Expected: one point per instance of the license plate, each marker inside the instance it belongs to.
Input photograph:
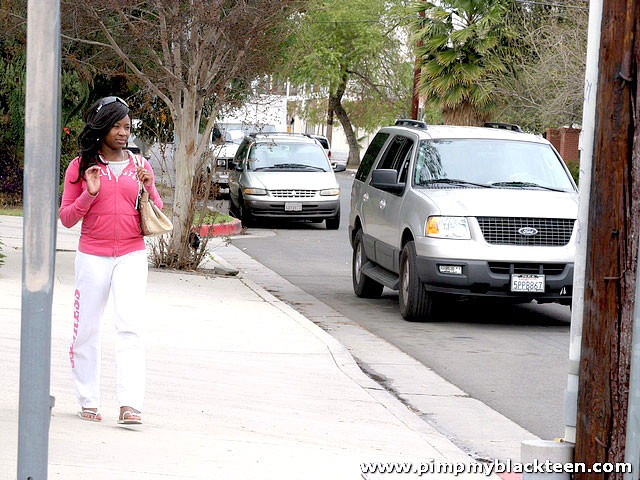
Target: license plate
(293, 207)
(527, 283)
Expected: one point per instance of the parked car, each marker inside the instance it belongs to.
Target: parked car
(324, 141)
(225, 140)
(284, 175)
(464, 211)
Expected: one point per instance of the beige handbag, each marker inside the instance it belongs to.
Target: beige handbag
(152, 220)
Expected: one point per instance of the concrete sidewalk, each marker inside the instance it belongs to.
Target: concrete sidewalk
(240, 386)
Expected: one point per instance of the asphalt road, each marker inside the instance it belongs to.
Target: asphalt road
(512, 358)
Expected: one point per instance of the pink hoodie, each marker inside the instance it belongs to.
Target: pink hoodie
(110, 219)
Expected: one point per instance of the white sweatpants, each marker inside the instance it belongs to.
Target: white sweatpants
(126, 278)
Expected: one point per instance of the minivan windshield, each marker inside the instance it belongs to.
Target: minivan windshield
(489, 163)
(235, 132)
(288, 156)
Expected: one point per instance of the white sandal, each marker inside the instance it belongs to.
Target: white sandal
(123, 420)
(95, 416)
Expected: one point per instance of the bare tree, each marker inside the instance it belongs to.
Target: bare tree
(193, 55)
(547, 90)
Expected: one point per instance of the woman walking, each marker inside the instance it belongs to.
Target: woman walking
(101, 188)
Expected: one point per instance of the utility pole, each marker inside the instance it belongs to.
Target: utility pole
(415, 99)
(40, 201)
(612, 243)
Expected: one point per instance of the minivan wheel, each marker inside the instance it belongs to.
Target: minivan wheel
(415, 303)
(363, 286)
(333, 223)
(245, 214)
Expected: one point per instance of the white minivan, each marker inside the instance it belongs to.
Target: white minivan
(285, 176)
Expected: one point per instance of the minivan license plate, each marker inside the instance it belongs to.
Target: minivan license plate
(527, 283)
(293, 207)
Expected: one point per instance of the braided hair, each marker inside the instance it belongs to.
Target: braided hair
(98, 123)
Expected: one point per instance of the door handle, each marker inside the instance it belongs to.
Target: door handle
(365, 197)
(383, 203)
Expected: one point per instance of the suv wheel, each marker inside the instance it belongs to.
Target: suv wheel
(333, 223)
(415, 302)
(363, 286)
(245, 214)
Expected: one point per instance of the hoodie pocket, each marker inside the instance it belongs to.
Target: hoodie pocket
(97, 226)
(129, 226)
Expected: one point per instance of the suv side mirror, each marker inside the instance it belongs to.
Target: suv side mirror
(386, 179)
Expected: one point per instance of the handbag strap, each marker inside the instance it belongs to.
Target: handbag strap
(137, 162)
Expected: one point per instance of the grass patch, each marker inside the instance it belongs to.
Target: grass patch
(211, 218)
(13, 211)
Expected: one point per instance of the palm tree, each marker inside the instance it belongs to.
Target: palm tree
(462, 51)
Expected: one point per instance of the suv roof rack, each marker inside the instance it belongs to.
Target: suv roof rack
(408, 122)
(504, 126)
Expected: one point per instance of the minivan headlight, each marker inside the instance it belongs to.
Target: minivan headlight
(448, 227)
(255, 191)
(330, 191)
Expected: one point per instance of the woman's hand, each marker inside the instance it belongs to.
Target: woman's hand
(92, 177)
(144, 176)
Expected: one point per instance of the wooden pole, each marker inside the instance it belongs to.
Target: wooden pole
(612, 245)
(415, 99)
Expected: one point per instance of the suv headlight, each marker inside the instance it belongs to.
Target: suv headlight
(448, 227)
(330, 191)
(255, 191)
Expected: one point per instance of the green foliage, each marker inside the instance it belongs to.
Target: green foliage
(211, 218)
(75, 97)
(463, 47)
(337, 39)
(2, 255)
(12, 98)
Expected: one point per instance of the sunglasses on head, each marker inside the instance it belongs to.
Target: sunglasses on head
(108, 101)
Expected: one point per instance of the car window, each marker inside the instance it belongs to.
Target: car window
(241, 154)
(504, 163)
(404, 160)
(370, 156)
(323, 142)
(288, 156)
(390, 156)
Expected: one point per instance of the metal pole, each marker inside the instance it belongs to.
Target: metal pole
(632, 443)
(40, 200)
(584, 187)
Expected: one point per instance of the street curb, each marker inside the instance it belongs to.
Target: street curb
(504, 443)
(348, 365)
(220, 229)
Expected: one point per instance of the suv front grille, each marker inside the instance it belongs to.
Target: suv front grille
(505, 268)
(293, 193)
(552, 232)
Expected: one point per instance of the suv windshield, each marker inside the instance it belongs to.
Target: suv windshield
(497, 163)
(288, 156)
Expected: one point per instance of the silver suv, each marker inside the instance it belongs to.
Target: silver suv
(468, 211)
(286, 176)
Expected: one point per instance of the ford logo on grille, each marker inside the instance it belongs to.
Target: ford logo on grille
(527, 231)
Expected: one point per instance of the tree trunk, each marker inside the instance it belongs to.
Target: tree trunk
(330, 123)
(612, 245)
(335, 103)
(185, 165)
(464, 114)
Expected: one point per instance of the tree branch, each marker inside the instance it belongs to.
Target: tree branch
(114, 45)
(88, 42)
